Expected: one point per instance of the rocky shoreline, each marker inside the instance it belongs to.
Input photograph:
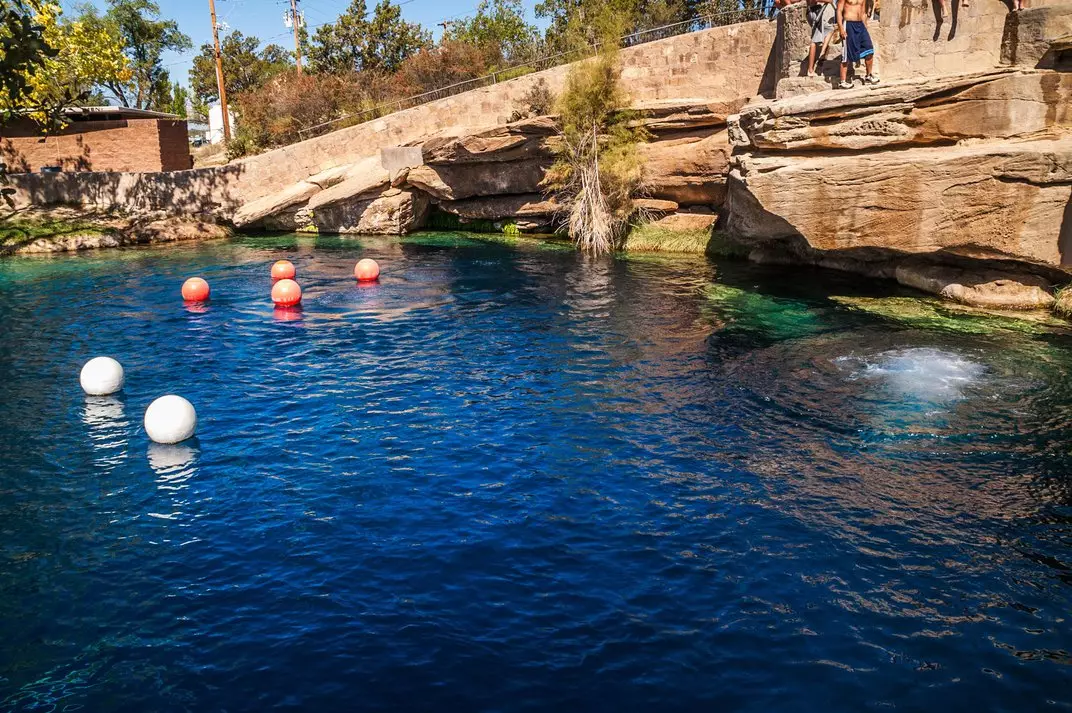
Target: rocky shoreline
(59, 229)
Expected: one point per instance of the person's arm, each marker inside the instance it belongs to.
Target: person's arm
(841, 18)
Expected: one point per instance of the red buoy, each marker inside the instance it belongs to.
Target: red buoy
(286, 293)
(367, 270)
(195, 290)
(283, 270)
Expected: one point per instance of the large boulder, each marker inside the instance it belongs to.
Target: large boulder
(1011, 199)
(978, 286)
(396, 212)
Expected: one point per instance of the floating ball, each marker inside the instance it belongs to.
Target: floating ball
(283, 270)
(195, 290)
(101, 376)
(170, 419)
(286, 293)
(367, 270)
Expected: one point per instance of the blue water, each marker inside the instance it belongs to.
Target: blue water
(508, 478)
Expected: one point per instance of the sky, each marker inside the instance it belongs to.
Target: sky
(264, 19)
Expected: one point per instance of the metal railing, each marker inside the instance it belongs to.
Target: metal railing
(720, 19)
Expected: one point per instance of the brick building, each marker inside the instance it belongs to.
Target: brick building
(99, 138)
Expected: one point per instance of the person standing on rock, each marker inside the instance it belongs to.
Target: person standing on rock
(852, 19)
(822, 17)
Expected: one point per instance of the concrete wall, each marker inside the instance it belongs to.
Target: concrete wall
(724, 64)
(114, 145)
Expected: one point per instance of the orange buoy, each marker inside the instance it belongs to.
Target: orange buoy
(195, 290)
(367, 270)
(286, 293)
(283, 270)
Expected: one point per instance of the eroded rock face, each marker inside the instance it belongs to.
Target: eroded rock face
(1002, 104)
(688, 171)
(397, 212)
(1011, 198)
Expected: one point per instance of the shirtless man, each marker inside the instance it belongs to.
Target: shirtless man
(852, 19)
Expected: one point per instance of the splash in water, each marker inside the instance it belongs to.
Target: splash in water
(922, 373)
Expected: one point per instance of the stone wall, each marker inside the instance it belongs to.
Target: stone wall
(727, 65)
(118, 145)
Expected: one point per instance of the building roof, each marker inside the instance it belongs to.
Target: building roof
(114, 112)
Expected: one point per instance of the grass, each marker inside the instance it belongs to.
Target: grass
(649, 237)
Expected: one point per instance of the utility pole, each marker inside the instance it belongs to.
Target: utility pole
(295, 18)
(219, 73)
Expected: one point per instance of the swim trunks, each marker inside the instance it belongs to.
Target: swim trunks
(822, 17)
(857, 42)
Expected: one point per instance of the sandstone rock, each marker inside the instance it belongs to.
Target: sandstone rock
(686, 222)
(688, 171)
(1010, 198)
(661, 117)
(654, 205)
(396, 214)
(255, 212)
(128, 232)
(1036, 36)
(362, 179)
(400, 178)
(1004, 104)
(512, 142)
(528, 206)
(467, 180)
(978, 287)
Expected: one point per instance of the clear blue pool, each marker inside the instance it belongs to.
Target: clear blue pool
(512, 479)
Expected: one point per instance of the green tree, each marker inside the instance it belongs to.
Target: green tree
(574, 24)
(498, 29)
(179, 99)
(354, 42)
(245, 67)
(144, 38)
(23, 50)
(83, 56)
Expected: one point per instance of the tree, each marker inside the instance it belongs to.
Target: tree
(353, 42)
(576, 24)
(179, 99)
(82, 56)
(144, 37)
(245, 67)
(23, 49)
(596, 167)
(499, 29)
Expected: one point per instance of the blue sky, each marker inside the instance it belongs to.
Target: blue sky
(264, 19)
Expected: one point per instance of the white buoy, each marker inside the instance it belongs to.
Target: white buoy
(101, 376)
(170, 419)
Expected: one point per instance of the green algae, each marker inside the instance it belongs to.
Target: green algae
(740, 311)
(16, 232)
(933, 314)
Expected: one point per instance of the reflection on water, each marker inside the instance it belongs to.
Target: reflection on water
(107, 429)
(511, 478)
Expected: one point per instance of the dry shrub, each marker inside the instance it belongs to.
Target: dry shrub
(275, 114)
(449, 63)
(597, 168)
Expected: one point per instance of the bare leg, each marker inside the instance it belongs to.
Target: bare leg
(869, 62)
(844, 71)
(811, 59)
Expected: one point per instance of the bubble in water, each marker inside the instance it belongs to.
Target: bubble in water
(921, 373)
